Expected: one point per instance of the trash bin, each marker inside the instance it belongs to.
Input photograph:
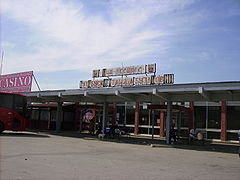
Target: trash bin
(107, 130)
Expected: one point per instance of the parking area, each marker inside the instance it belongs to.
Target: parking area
(44, 156)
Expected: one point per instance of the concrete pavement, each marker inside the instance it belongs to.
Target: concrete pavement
(30, 156)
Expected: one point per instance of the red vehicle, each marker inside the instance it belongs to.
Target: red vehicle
(13, 109)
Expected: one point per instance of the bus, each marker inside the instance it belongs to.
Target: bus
(13, 111)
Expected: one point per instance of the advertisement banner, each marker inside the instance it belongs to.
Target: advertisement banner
(124, 71)
(145, 80)
(158, 79)
(129, 81)
(168, 78)
(151, 68)
(88, 121)
(84, 84)
(96, 83)
(18, 82)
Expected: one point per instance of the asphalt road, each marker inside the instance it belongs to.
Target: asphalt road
(30, 156)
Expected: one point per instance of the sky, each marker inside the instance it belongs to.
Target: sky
(62, 41)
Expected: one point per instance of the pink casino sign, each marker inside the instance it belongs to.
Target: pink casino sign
(17, 82)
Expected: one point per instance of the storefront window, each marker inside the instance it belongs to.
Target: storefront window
(156, 118)
(184, 119)
(143, 116)
(214, 117)
(34, 114)
(120, 114)
(44, 115)
(232, 136)
(53, 115)
(156, 131)
(200, 116)
(130, 115)
(145, 120)
(143, 130)
(34, 118)
(69, 117)
(110, 116)
(233, 117)
(213, 135)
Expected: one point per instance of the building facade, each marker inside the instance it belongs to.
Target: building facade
(216, 120)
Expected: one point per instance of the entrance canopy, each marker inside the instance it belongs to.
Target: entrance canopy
(214, 91)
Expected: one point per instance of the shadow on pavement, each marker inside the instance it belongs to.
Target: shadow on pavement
(23, 134)
(155, 143)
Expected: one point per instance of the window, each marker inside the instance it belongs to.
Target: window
(130, 115)
(53, 115)
(200, 116)
(19, 104)
(45, 115)
(232, 136)
(120, 114)
(6, 101)
(68, 117)
(184, 119)
(143, 116)
(156, 118)
(233, 117)
(213, 135)
(35, 114)
(214, 117)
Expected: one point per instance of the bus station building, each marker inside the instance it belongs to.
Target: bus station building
(212, 108)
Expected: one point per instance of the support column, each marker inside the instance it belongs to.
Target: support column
(77, 116)
(223, 121)
(191, 114)
(49, 120)
(105, 116)
(39, 117)
(80, 120)
(179, 124)
(136, 121)
(162, 121)
(59, 116)
(114, 113)
(152, 122)
(168, 121)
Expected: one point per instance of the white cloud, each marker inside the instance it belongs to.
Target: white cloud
(50, 85)
(67, 38)
(7, 45)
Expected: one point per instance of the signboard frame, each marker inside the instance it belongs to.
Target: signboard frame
(16, 82)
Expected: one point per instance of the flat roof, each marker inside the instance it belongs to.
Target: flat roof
(209, 91)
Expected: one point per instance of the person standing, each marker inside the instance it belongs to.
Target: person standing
(191, 136)
(172, 134)
(91, 127)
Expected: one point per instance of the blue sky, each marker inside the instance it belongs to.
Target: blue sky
(62, 41)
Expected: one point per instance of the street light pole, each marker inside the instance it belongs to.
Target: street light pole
(1, 70)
